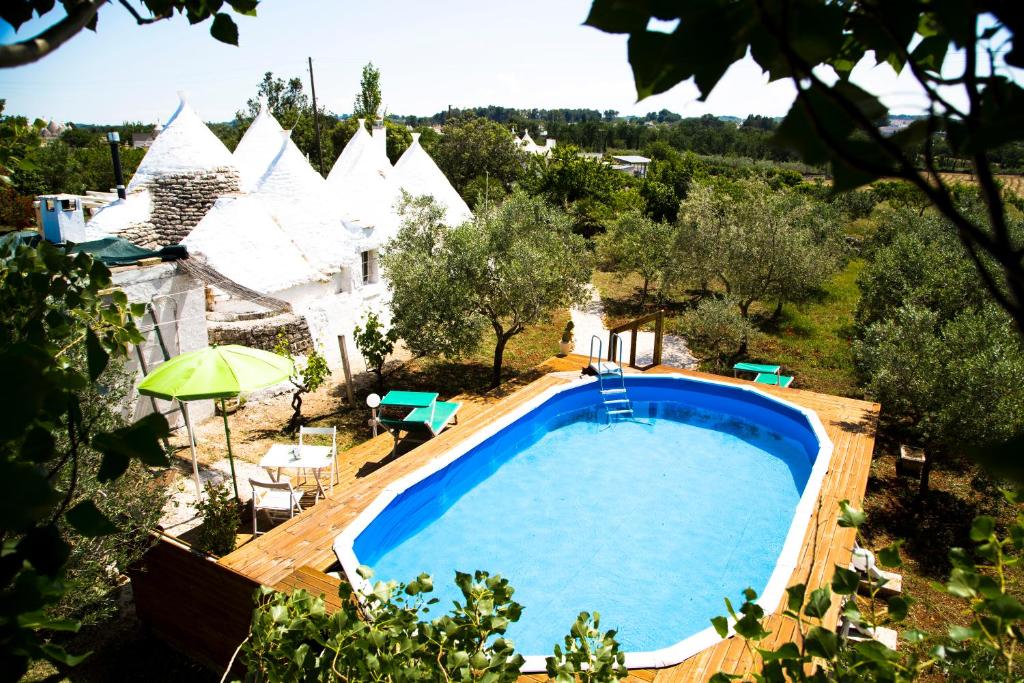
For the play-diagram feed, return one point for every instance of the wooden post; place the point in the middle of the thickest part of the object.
(659, 329)
(632, 347)
(348, 371)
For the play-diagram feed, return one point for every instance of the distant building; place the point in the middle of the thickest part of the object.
(52, 131)
(632, 163)
(527, 144)
(145, 140)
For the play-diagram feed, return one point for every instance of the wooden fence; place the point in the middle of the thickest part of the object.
(196, 605)
(633, 327)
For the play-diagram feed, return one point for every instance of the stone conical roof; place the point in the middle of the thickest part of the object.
(359, 185)
(297, 199)
(257, 148)
(240, 239)
(185, 144)
(354, 149)
(417, 174)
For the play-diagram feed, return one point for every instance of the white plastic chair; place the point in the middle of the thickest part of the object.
(323, 431)
(277, 498)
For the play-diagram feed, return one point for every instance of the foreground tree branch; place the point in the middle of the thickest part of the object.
(34, 49)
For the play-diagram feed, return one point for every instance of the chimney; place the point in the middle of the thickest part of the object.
(380, 133)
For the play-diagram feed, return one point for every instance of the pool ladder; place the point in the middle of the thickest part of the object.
(616, 402)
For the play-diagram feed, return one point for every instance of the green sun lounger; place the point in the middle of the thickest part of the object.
(757, 367)
(773, 379)
(765, 374)
(415, 415)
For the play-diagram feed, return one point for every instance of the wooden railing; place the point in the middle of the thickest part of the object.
(633, 326)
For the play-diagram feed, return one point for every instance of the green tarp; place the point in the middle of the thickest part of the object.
(116, 251)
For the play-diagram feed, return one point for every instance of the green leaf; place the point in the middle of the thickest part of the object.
(96, 356)
(795, 597)
(721, 625)
(821, 642)
(224, 29)
(87, 519)
(819, 603)
(246, 7)
(613, 16)
(962, 633)
(38, 445)
(140, 440)
(45, 549)
(785, 651)
(898, 607)
(982, 528)
(845, 581)
(1006, 607)
(850, 516)
(56, 653)
(889, 556)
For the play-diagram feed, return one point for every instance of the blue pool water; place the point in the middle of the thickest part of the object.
(651, 524)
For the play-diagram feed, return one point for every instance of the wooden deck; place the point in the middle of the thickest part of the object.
(294, 554)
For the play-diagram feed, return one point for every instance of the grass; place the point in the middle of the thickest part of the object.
(810, 340)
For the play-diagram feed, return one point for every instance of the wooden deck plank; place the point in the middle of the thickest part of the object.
(281, 556)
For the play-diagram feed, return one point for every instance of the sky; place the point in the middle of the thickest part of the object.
(535, 53)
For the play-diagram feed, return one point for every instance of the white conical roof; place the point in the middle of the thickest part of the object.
(185, 144)
(239, 238)
(358, 183)
(289, 175)
(257, 148)
(296, 197)
(417, 174)
(118, 215)
(355, 147)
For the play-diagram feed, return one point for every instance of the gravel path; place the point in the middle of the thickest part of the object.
(589, 321)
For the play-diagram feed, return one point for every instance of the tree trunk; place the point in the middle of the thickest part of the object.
(499, 352)
(296, 419)
(744, 309)
(379, 371)
(643, 294)
(778, 310)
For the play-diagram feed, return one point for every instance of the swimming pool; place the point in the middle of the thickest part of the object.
(650, 522)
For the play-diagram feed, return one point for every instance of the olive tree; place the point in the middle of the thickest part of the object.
(638, 244)
(959, 55)
(757, 243)
(510, 268)
(932, 345)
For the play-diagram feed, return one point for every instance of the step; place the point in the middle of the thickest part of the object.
(613, 391)
(608, 401)
(625, 411)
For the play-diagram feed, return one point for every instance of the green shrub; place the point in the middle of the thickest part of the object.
(216, 535)
(715, 330)
(385, 638)
(375, 344)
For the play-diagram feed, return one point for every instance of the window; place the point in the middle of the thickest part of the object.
(369, 261)
(69, 205)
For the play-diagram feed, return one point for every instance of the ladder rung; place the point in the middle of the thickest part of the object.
(616, 400)
(613, 391)
(621, 412)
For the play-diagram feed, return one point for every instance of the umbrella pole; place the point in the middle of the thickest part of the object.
(192, 444)
(231, 458)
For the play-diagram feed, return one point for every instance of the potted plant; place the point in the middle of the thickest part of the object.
(567, 344)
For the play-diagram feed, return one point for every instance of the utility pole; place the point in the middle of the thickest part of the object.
(316, 119)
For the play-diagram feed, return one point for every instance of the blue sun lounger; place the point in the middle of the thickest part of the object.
(415, 415)
(765, 374)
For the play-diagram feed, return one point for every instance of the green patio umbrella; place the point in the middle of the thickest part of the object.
(216, 372)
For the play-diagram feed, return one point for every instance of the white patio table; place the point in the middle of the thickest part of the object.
(288, 456)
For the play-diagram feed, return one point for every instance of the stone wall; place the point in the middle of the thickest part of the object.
(259, 331)
(180, 200)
